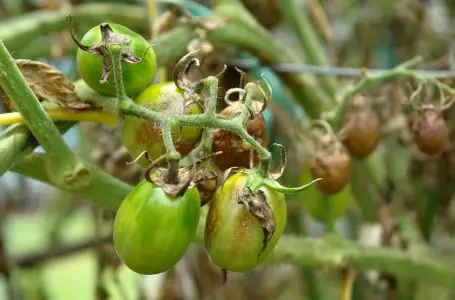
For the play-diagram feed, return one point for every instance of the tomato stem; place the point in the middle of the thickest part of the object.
(172, 155)
(66, 168)
(209, 119)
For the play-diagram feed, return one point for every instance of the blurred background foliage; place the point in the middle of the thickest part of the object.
(52, 244)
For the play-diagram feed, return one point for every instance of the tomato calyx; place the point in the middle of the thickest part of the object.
(108, 38)
(191, 89)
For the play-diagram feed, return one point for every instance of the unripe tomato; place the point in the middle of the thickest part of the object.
(136, 77)
(152, 230)
(236, 152)
(430, 131)
(233, 236)
(143, 135)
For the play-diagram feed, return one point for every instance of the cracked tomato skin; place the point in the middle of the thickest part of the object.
(140, 135)
(136, 77)
(233, 237)
(152, 230)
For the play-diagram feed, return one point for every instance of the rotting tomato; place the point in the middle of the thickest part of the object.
(363, 131)
(235, 151)
(234, 237)
(430, 131)
(332, 163)
(144, 135)
(136, 76)
(152, 229)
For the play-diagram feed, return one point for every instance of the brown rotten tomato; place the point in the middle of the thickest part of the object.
(143, 135)
(236, 152)
(430, 130)
(363, 131)
(332, 163)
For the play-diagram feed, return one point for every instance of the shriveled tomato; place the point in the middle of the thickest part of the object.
(152, 230)
(143, 135)
(136, 76)
(234, 236)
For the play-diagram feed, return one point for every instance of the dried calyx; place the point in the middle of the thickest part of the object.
(189, 87)
(108, 38)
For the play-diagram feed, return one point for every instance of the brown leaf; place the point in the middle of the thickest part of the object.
(49, 84)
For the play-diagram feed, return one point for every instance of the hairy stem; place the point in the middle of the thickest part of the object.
(102, 189)
(67, 169)
(334, 252)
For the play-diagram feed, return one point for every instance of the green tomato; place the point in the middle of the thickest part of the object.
(153, 230)
(136, 77)
(233, 236)
(313, 199)
(143, 135)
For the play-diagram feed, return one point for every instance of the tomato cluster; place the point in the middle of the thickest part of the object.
(156, 222)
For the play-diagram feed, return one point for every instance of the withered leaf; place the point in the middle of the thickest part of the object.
(49, 84)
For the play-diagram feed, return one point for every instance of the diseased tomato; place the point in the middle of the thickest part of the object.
(332, 163)
(136, 76)
(363, 129)
(236, 152)
(430, 131)
(234, 237)
(140, 135)
(152, 230)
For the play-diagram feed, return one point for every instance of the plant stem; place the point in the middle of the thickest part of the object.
(300, 23)
(329, 220)
(335, 252)
(103, 189)
(68, 170)
(16, 142)
(97, 116)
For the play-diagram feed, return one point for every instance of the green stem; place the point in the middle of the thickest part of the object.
(16, 142)
(66, 167)
(116, 58)
(166, 130)
(335, 252)
(103, 189)
(298, 20)
(329, 219)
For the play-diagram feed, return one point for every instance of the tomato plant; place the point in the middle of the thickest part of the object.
(143, 135)
(152, 229)
(138, 73)
(234, 237)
